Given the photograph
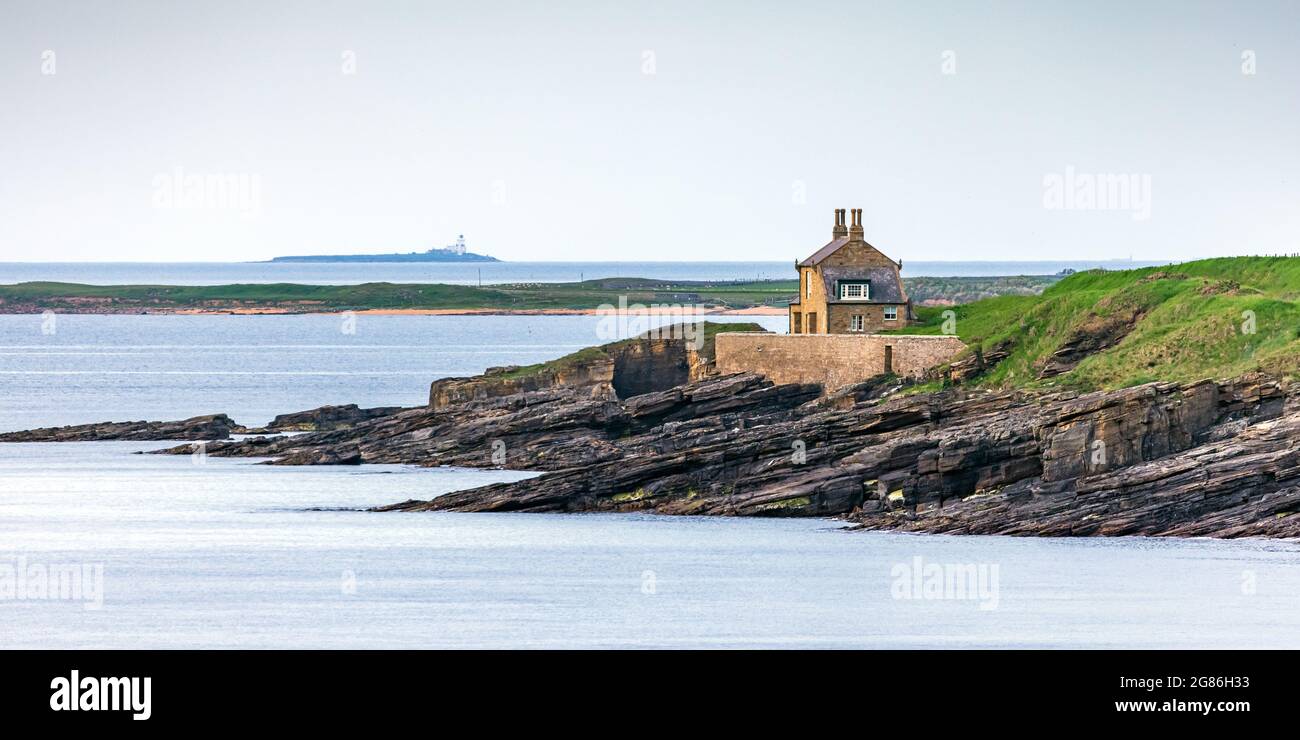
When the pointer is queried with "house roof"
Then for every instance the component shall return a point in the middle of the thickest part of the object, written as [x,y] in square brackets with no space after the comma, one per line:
[825,252]
[886,285]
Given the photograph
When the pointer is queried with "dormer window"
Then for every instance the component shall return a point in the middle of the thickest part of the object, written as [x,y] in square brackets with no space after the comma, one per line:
[859,291]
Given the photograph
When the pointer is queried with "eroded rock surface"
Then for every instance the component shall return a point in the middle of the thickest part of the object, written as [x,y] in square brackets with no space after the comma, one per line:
[328,418]
[553,429]
[617,370]
[1214,459]
[1210,458]
[211,427]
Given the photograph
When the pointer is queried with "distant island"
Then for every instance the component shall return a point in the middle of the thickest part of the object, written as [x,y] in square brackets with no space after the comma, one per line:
[451,253]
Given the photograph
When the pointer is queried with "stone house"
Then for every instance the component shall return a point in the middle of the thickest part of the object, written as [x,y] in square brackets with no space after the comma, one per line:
[849,286]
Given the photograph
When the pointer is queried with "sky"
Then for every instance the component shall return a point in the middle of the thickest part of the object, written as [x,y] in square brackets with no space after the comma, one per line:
[212,131]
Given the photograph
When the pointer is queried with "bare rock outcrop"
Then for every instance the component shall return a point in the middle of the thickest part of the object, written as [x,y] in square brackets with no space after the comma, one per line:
[1099,331]
[655,361]
[1207,458]
[210,427]
[326,418]
[543,430]
[594,376]
[1213,459]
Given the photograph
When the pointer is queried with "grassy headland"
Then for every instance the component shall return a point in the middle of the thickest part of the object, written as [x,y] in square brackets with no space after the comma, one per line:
[1213,318]
[35,297]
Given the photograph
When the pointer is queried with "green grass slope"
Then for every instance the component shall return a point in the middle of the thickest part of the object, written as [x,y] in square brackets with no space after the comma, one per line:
[1212,318]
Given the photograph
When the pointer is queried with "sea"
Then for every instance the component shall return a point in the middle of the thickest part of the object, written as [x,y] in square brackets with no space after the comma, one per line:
[197,551]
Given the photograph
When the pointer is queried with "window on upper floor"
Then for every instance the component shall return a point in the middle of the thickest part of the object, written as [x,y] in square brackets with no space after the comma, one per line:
[854,292]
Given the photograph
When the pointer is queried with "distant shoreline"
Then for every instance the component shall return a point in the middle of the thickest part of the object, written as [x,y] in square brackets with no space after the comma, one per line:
[448,255]
[712,297]
[414,257]
[651,310]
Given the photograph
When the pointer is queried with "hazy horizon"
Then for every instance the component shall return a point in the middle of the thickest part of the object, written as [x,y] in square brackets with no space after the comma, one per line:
[589,262]
[1015,131]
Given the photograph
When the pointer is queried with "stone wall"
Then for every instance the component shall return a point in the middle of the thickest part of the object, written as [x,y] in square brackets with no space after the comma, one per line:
[616,370]
[812,299]
[837,318]
[858,253]
[840,316]
[832,360]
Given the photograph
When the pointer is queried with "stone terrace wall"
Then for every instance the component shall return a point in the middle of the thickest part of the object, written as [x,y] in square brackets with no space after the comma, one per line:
[833,360]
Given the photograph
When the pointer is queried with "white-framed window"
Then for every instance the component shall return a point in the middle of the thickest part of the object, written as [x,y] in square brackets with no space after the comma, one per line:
[891,313]
[854,292]
[856,322]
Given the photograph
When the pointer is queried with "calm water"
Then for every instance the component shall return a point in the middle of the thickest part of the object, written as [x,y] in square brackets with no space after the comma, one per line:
[467,273]
[98,368]
[229,553]
[222,554]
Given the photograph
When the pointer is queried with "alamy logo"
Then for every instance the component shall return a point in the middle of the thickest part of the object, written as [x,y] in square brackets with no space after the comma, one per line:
[948,62]
[949,322]
[1102,191]
[89,694]
[800,454]
[33,581]
[930,581]
[214,191]
[1249,325]
[656,321]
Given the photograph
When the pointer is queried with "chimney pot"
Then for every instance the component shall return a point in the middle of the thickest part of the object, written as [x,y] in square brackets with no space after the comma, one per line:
[855,231]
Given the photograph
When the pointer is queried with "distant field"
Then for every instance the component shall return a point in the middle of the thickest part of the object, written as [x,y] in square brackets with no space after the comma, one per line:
[586,295]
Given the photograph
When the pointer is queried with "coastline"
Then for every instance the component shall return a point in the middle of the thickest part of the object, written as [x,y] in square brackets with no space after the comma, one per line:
[717,298]
[277,311]
[1051,426]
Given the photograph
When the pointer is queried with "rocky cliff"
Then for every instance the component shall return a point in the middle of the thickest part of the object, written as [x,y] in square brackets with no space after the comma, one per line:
[1207,458]
[1214,459]
[654,361]
[1202,458]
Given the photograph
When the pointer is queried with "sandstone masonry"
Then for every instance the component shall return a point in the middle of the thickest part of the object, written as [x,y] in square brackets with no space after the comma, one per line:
[832,360]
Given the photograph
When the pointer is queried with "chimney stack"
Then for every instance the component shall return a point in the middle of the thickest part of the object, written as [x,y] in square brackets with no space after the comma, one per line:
[840,231]
[855,231]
